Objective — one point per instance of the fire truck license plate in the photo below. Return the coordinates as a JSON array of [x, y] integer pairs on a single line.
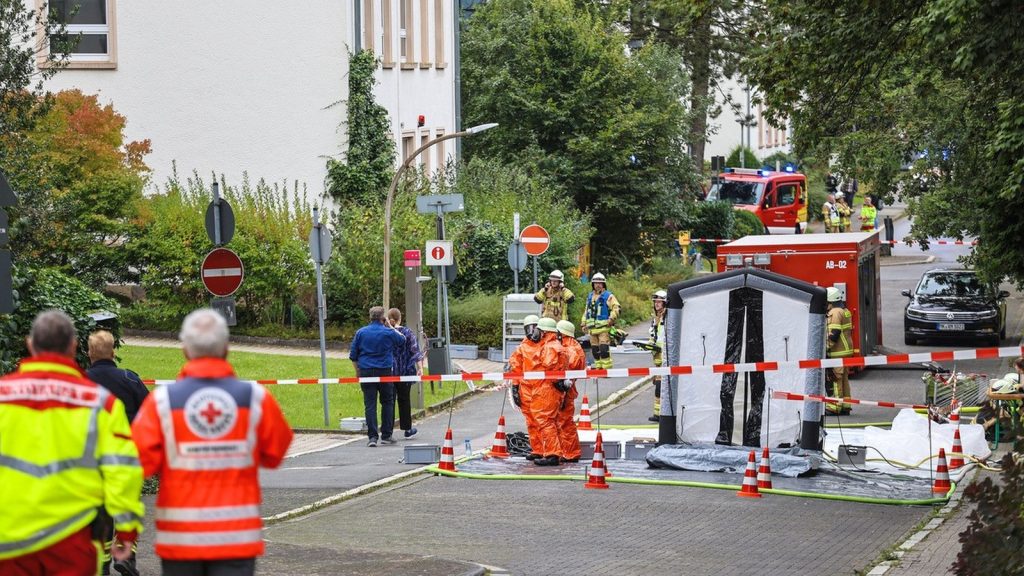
[[951, 326]]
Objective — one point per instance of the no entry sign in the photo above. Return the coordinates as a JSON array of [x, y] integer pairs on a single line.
[[222, 272], [535, 239]]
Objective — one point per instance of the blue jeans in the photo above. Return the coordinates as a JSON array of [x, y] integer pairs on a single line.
[[386, 390]]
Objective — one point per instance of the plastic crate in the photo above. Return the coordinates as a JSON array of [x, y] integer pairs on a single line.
[[612, 450], [495, 355], [638, 450], [464, 351], [422, 454], [353, 424]]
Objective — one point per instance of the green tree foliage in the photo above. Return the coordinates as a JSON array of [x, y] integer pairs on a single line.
[[749, 159], [272, 224], [991, 542], [369, 161], [709, 35], [710, 220], [746, 224], [933, 85], [78, 191], [609, 128], [38, 290], [493, 191]]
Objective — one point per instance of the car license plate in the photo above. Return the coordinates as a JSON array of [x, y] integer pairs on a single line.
[[951, 326]]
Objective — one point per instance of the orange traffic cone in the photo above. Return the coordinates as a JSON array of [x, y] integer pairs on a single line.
[[447, 453], [596, 477], [956, 457], [954, 411], [500, 447], [749, 487], [584, 423], [764, 471], [941, 485]]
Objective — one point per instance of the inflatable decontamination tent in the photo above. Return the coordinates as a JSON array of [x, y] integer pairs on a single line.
[[743, 316]]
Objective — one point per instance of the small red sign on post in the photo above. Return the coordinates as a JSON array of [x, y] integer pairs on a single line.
[[222, 272], [535, 239]]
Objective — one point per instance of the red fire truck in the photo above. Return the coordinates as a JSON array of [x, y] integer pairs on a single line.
[[777, 197], [847, 261]]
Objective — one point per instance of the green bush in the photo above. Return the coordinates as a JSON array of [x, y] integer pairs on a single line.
[[170, 242], [750, 159], [746, 223], [710, 220], [991, 541], [36, 291], [779, 160]]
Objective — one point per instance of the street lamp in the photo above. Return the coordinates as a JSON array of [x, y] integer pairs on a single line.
[[391, 197]]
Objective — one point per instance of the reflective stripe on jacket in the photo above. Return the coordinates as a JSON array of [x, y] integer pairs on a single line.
[[840, 319], [66, 450], [600, 312], [207, 435], [554, 305]]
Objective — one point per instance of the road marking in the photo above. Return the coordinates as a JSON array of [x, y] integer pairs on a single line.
[[323, 448]]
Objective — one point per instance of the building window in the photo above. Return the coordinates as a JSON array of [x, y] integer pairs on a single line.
[[425, 155], [439, 148], [388, 57], [406, 34], [408, 145], [424, 35], [368, 25], [439, 33], [90, 31]]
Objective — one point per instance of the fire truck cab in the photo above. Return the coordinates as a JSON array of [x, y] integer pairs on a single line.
[[777, 197]]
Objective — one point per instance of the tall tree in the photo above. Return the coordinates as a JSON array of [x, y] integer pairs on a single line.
[[608, 127], [710, 35], [934, 86]]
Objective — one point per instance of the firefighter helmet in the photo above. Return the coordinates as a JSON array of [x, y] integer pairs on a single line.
[[567, 328], [531, 320], [547, 325], [660, 295], [833, 294], [556, 275], [598, 278]]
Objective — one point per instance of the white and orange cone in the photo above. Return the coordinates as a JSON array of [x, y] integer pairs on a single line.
[[941, 484], [596, 477], [447, 453], [954, 412], [764, 471], [500, 447], [956, 457], [584, 423], [749, 487]]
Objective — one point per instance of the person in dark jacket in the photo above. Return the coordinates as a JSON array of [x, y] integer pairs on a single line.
[[407, 363], [129, 389], [124, 384], [372, 354]]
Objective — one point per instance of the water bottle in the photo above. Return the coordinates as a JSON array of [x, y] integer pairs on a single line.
[[469, 448]]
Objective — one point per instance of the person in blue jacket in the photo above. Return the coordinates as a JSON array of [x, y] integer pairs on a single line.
[[372, 354]]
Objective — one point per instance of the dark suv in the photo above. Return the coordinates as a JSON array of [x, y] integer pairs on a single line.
[[955, 303]]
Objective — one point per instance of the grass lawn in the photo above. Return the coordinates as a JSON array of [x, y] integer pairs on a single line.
[[302, 403]]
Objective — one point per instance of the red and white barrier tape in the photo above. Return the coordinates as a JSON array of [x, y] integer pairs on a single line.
[[817, 398], [854, 361]]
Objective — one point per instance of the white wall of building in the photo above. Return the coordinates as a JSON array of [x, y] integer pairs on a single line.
[[420, 83], [229, 86], [726, 132]]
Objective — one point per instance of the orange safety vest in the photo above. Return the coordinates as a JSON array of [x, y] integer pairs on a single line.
[[207, 435]]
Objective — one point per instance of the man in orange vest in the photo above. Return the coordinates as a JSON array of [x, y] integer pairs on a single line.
[[547, 355], [207, 435]]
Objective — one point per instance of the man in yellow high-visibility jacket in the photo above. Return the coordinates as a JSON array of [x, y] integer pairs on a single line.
[[67, 451], [840, 345]]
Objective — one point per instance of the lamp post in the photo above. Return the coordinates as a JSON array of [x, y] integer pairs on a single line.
[[391, 197]]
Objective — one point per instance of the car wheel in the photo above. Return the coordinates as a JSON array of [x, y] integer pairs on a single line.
[[908, 339]]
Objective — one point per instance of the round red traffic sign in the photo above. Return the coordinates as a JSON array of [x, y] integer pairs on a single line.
[[222, 272], [535, 239]]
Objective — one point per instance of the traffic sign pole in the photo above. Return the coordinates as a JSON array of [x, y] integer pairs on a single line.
[[320, 250], [216, 213]]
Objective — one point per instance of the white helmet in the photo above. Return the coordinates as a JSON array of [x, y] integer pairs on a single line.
[[833, 294], [660, 295], [556, 275], [839, 196], [598, 278], [531, 320]]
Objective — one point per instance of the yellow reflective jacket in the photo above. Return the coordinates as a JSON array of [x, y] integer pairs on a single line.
[[65, 450], [840, 319]]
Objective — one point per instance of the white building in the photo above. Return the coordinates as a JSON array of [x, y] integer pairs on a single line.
[[728, 131], [259, 87]]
